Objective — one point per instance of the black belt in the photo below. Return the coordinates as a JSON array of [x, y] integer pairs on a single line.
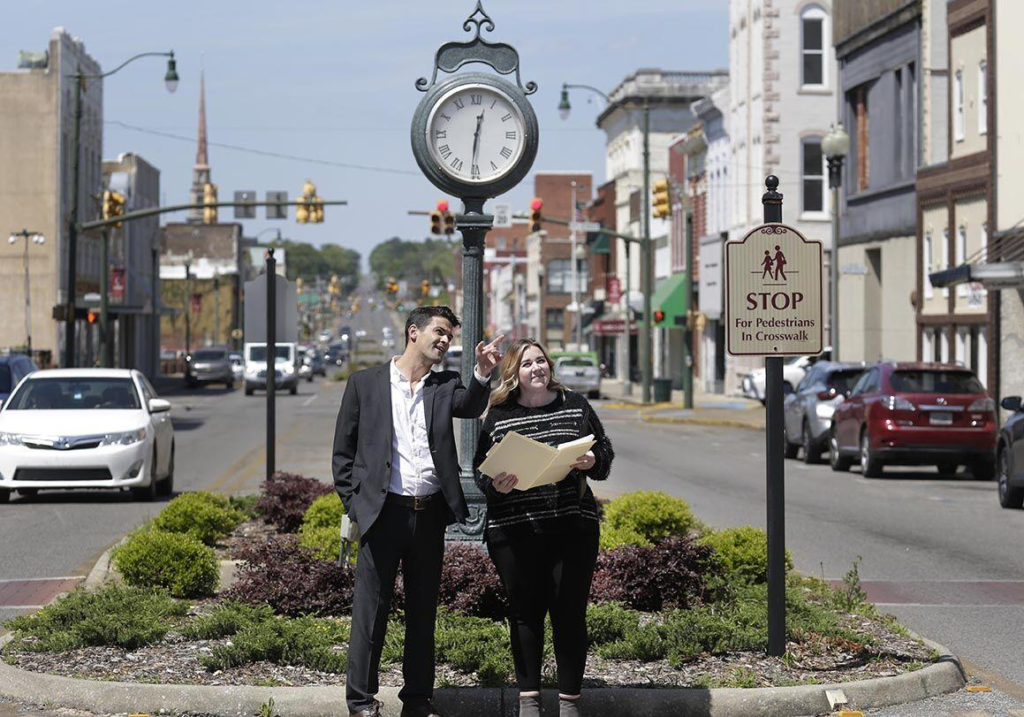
[[416, 502]]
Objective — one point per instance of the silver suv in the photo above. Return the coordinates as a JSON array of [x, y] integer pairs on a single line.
[[808, 410]]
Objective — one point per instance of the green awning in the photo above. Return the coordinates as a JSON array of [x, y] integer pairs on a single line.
[[672, 298]]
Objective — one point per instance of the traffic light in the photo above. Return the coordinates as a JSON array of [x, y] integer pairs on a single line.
[[209, 197], [435, 223], [425, 287], [316, 210], [662, 202], [449, 223], [659, 316], [309, 208], [298, 285], [113, 206], [92, 317], [535, 207]]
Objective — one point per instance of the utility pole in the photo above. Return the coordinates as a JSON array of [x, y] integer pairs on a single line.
[[188, 306], [216, 306], [577, 326]]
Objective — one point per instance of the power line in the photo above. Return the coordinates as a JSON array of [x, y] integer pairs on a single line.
[[266, 153]]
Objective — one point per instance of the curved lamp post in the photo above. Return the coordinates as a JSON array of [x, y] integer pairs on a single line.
[[647, 270], [39, 240], [171, 82], [835, 145]]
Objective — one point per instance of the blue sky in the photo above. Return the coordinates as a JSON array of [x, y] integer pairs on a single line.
[[334, 81]]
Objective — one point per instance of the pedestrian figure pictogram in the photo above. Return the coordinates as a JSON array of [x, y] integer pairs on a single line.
[[780, 263]]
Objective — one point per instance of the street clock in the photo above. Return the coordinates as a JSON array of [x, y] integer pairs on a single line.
[[475, 134]]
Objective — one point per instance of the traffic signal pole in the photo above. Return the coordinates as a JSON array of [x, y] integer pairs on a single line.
[[776, 468]]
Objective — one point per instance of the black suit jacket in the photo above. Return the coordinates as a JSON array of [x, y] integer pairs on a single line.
[[365, 430]]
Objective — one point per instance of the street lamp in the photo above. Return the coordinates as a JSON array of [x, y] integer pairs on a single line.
[[647, 270], [835, 146], [171, 82], [37, 239]]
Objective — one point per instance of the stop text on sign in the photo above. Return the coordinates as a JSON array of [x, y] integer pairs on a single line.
[[773, 293]]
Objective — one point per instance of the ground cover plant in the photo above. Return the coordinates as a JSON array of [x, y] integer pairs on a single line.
[[673, 603]]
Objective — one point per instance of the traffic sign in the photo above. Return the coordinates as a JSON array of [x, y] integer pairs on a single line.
[[614, 290], [773, 293], [584, 226], [502, 215]]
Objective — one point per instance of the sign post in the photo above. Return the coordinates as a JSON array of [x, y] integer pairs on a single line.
[[773, 309]]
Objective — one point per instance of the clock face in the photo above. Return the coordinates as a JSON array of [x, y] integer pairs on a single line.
[[476, 134]]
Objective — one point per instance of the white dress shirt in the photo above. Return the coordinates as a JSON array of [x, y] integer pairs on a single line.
[[412, 466]]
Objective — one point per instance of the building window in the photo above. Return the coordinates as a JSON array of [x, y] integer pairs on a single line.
[[928, 290], [560, 276], [814, 175], [812, 27], [554, 319], [983, 97], [958, 106]]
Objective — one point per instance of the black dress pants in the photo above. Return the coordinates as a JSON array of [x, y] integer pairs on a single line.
[[416, 539], [548, 574]]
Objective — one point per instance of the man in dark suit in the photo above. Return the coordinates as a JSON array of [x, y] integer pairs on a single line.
[[397, 472]]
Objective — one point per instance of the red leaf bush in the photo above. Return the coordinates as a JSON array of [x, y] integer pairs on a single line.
[[470, 583], [286, 497], [675, 573]]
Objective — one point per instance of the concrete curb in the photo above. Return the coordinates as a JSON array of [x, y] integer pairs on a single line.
[[946, 675], [698, 421]]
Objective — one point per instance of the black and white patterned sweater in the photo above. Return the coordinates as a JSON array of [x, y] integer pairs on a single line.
[[549, 508]]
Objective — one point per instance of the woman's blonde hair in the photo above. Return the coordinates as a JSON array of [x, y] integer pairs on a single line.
[[508, 381]]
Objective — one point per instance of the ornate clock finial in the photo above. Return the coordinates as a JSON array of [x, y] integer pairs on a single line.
[[484, 20]]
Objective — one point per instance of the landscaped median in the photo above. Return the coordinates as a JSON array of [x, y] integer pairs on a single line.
[[675, 605]]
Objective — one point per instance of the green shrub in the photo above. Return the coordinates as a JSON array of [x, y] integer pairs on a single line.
[[245, 504], [645, 643], [653, 515], [305, 641], [116, 615], [324, 542], [179, 563], [475, 644], [612, 537], [743, 552], [325, 512], [610, 622], [227, 619], [205, 516]]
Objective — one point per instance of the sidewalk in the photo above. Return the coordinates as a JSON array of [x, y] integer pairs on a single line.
[[709, 409]]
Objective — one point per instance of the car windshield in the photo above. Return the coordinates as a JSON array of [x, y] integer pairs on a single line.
[[208, 355], [575, 362], [935, 381], [70, 393], [259, 353], [842, 381], [5, 378]]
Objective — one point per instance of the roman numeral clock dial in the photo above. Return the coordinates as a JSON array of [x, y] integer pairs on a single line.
[[476, 134]]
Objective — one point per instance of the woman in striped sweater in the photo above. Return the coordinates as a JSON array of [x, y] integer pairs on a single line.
[[544, 540]]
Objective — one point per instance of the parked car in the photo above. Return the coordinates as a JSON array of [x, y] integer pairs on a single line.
[[579, 371], [311, 363], [1010, 455], [336, 354], [210, 365], [237, 364], [12, 370], [808, 410], [793, 370], [915, 414], [452, 360], [86, 428], [326, 335]]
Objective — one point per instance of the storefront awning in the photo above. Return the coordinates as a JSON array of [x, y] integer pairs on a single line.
[[672, 297], [1004, 271]]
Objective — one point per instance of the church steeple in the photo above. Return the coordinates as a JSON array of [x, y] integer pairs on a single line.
[[201, 170]]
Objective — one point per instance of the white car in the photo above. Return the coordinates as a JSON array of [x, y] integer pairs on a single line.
[[793, 370], [86, 428]]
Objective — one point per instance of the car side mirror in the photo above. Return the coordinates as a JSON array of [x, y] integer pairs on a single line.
[[1011, 403], [159, 405]]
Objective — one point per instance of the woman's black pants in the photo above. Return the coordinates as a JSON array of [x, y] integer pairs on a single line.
[[548, 574]]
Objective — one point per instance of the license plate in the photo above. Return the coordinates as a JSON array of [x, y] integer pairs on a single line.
[[941, 418]]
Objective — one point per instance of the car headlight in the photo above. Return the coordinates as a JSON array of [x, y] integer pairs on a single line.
[[289, 369], [250, 370], [124, 439], [10, 439]]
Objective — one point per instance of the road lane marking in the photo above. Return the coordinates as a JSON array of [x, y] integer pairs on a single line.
[[310, 399], [252, 468]]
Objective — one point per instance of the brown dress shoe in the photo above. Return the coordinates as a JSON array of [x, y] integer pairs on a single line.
[[374, 710]]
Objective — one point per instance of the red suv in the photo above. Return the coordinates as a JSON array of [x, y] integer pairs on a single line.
[[915, 414]]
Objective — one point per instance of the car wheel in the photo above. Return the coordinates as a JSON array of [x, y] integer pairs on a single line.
[[229, 385], [789, 449], [248, 391], [294, 389], [28, 492], [870, 466], [947, 468], [812, 452], [191, 383], [166, 487], [838, 462], [147, 492], [1009, 496], [5, 495], [983, 469]]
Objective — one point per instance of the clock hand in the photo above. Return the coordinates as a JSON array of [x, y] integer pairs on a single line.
[[476, 137]]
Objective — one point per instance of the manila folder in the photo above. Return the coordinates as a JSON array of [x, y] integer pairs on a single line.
[[532, 462]]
